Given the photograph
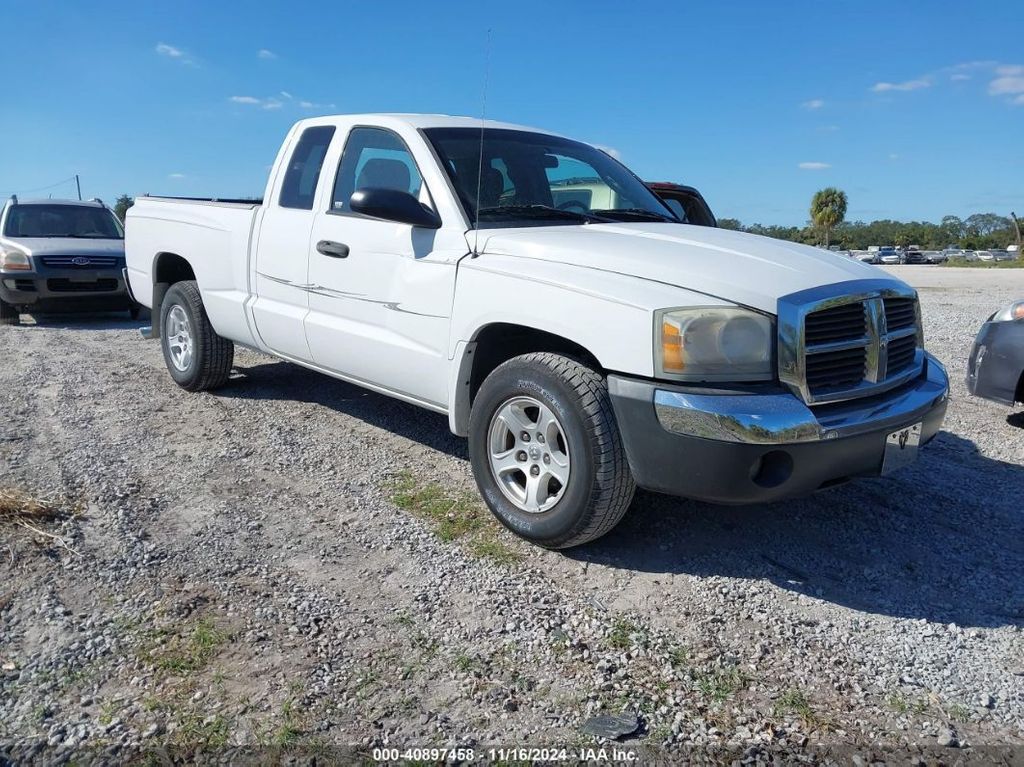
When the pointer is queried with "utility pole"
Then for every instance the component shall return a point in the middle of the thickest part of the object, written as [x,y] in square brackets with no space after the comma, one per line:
[1016,225]
[78,185]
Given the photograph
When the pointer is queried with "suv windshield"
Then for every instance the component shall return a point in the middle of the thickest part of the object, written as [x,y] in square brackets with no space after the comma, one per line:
[533,178]
[81,221]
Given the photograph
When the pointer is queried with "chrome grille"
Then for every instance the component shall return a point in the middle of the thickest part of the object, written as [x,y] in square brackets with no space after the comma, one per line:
[840,323]
[68,262]
[900,313]
[848,340]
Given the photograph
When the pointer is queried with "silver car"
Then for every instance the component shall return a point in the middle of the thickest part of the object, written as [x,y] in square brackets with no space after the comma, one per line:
[61,255]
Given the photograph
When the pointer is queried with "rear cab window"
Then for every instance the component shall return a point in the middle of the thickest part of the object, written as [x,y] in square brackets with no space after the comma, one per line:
[298,189]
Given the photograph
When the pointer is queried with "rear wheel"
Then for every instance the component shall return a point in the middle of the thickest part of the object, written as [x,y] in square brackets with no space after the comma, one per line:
[546,451]
[197,358]
[9,314]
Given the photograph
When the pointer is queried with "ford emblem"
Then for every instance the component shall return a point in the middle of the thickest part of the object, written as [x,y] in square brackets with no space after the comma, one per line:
[80,261]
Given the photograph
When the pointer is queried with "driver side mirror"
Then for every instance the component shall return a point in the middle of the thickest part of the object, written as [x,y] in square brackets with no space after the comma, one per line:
[394,205]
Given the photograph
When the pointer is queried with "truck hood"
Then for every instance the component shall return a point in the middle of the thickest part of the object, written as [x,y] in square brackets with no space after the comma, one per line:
[64,246]
[741,268]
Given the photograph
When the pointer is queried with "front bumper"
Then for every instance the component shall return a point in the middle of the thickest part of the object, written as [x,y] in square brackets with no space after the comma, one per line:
[737,448]
[56,289]
[995,369]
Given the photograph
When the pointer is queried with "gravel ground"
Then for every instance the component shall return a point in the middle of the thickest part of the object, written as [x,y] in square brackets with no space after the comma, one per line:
[247,569]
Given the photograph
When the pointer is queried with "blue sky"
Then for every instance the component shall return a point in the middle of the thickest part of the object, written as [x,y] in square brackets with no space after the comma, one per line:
[916,109]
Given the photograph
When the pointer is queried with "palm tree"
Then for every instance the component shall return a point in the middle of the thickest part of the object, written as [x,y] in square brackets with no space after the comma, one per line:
[828,209]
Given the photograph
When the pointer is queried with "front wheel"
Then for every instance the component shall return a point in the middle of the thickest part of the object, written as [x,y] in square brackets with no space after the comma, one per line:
[9,314]
[546,451]
[197,358]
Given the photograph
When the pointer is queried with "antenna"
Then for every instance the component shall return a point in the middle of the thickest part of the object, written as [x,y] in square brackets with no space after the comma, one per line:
[480,164]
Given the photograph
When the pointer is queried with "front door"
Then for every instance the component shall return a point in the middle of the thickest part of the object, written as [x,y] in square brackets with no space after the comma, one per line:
[380,307]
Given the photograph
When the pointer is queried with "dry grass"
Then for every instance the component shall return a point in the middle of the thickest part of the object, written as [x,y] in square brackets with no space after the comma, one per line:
[27,511]
[18,505]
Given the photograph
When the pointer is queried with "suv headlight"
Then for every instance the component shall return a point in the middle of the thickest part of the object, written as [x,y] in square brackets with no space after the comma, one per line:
[713,343]
[1014,311]
[14,261]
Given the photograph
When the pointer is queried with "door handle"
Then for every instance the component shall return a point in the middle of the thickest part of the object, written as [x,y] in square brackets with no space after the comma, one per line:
[332,249]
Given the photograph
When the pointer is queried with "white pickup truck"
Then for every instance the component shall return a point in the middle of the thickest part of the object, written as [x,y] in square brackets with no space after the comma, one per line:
[586,344]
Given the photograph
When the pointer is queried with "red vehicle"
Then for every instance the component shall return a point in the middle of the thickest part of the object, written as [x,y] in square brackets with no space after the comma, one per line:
[685,201]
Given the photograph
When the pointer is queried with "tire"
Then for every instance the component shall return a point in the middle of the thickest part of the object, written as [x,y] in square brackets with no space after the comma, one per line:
[9,314]
[583,437]
[184,327]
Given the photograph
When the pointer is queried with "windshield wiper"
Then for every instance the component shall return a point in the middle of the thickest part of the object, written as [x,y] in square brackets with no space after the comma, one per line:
[541,211]
[637,213]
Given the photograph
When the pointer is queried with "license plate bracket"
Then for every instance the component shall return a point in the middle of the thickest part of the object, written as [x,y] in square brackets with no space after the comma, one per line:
[901,448]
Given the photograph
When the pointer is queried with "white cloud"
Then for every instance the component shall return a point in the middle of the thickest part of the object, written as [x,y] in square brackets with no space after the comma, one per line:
[1010,81]
[263,53]
[244,100]
[271,104]
[176,175]
[813,104]
[959,77]
[909,85]
[286,95]
[893,156]
[314,105]
[813,166]
[171,52]
[1019,100]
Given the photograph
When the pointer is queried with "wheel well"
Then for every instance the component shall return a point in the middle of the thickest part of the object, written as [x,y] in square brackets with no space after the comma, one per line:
[501,342]
[168,269]
[1019,395]
[171,268]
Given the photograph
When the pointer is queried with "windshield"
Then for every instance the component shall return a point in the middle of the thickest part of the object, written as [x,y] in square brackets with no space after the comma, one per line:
[536,179]
[81,221]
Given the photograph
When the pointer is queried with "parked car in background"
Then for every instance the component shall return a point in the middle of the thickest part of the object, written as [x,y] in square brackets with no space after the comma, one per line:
[60,255]
[583,349]
[934,257]
[685,201]
[985,255]
[866,256]
[995,369]
[1003,255]
[912,256]
[888,255]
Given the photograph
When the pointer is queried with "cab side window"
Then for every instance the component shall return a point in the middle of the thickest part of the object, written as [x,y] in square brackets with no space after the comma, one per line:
[299,187]
[374,159]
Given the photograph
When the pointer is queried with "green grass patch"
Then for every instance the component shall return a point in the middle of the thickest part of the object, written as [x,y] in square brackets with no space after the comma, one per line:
[794,703]
[720,684]
[901,704]
[454,515]
[963,263]
[188,652]
[624,634]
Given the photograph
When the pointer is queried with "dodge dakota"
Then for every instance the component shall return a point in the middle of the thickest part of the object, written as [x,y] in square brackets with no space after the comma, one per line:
[585,343]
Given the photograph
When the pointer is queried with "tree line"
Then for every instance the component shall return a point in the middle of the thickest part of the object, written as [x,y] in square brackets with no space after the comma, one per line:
[827,226]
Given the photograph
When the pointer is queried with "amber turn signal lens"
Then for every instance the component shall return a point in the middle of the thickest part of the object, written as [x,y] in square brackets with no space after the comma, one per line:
[671,347]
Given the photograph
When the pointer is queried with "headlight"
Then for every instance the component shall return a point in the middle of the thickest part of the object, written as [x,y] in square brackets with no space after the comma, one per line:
[1014,311]
[14,261]
[713,343]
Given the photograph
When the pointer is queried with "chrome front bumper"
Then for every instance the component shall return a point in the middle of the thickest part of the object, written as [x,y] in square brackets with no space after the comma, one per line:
[778,419]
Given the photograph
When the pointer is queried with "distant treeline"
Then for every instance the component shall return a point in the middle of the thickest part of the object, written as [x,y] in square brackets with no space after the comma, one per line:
[977,232]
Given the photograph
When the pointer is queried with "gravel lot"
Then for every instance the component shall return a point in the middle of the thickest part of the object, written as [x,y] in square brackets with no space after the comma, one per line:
[268,567]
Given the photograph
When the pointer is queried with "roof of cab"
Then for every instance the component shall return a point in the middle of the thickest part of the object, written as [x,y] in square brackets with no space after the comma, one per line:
[418,121]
